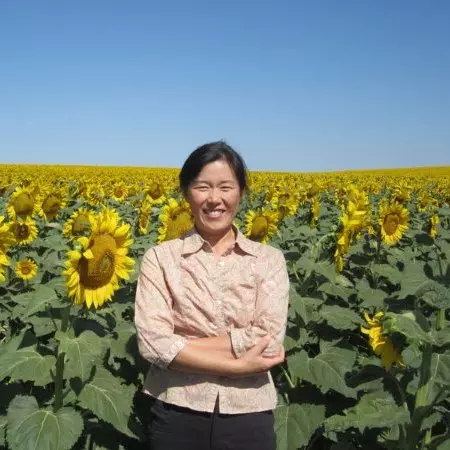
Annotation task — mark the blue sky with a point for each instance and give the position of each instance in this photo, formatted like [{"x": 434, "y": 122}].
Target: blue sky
[{"x": 292, "y": 84}]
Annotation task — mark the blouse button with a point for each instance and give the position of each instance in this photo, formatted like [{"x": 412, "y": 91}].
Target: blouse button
[{"x": 221, "y": 263}]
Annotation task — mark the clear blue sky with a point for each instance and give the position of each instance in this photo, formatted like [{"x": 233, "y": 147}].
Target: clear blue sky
[{"x": 292, "y": 84}]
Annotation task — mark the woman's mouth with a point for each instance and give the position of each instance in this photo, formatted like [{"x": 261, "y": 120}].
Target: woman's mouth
[{"x": 213, "y": 212}]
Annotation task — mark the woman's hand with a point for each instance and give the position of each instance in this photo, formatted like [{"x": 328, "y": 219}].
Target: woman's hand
[{"x": 253, "y": 361}]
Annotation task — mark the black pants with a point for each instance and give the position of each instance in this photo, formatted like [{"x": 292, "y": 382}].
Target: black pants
[{"x": 175, "y": 428}]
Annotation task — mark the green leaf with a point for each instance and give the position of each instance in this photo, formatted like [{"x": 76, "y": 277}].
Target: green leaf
[
  {"x": 434, "y": 294},
  {"x": 413, "y": 276},
  {"x": 305, "y": 307},
  {"x": 374, "y": 410},
  {"x": 41, "y": 429},
  {"x": 82, "y": 353},
  {"x": 296, "y": 423},
  {"x": 108, "y": 399},
  {"x": 407, "y": 325},
  {"x": 372, "y": 298},
  {"x": 27, "y": 365},
  {"x": 3, "y": 422},
  {"x": 326, "y": 371},
  {"x": 125, "y": 341},
  {"x": 340, "y": 318},
  {"x": 336, "y": 290}
]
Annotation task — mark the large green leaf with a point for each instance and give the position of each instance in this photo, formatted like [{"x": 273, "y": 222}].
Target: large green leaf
[
  {"x": 339, "y": 318},
  {"x": 3, "y": 422},
  {"x": 27, "y": 364},
  {"x": 407, "y": 325},
  {"x": 30, "y": 303},
  {"x": 413, "y": 276},
  {"x": 326, "y": 371},
  {"x": 305, "y": 307},
  {"x": 336, "y": 290},
  {"x": 31, "y": 428},
  {"x": 108, "y": 399},
  {"x": 82, "y": 353},
  {"x": 296, "y": 423},
  {"x": 374, "y": 410},
  {"x": 122, "y": 346},
  {"x": 372, "y": 297}
]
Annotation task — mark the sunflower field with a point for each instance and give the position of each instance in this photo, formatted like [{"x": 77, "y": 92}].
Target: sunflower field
[{"x": 368, "y": 338}]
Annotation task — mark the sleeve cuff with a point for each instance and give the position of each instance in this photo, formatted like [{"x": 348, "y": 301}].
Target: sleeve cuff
[
  {"x": 237, "y": 342},
  {"x": 173, "y": 351}
]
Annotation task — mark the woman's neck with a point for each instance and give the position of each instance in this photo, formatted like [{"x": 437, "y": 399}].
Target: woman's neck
[{"x": 219, "y": 242}]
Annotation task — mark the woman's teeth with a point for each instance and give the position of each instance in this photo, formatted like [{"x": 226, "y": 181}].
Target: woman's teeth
[{"x": 214, "y": 213}]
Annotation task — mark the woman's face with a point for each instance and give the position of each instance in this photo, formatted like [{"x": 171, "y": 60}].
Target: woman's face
[{"x": 214, "y": 197}]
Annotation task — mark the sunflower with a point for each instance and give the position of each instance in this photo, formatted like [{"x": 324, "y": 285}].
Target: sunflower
[
  {"x": 393, "y": 221},
  {"x": 314, "y": 211},
  {"x": 286, "y": 203},
  {"x": 176, "y": 220},
  {"x": 24, "y": 231},
  {"x": 22, "y": 204},
  {"x": 95, "y": 195},
  {"x": 52, "y": 204},
  {"x": 4, "y": 262},
  {"x": 119, "y": 192},
  {"x": 95, "y": 268},
  {"x": 78, "y": 224},
  {"x": 261, "y": 224},
  {"x": 6, "y": 236},
  {"x": 155, "y": 192},
  {"x": 380, "y": 343},
  {"x": 433, "y": 223},
  {"x": 144, "y": 216},
  {"x": 26, "y": 269}
]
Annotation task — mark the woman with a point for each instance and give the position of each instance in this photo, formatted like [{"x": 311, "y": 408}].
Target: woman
[{"x": 210, "y": 315}]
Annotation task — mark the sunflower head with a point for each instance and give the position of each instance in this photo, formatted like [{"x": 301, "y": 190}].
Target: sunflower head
[
  {"x": 100, "y": 260},
  {"x": 261, "y": 224},
  {"x": 380, "y": 343},
  {"x": 393, "y": 221},
  {"x": 78, "y": 224},
  {"x": 22, "y": 204},
  {"x": 4, "y": 262},
  {"x": 26, "y": 269},
  {"x": 24, "y": 231},
  {"x": 433, "y": 223},
  {"x": 52, "y": 204},
  {"x": 176, "y": 220},
  {"x": 7, "y": 238}
]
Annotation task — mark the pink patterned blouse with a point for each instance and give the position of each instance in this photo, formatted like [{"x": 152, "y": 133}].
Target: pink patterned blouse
[{"x": 185, "y": 292}]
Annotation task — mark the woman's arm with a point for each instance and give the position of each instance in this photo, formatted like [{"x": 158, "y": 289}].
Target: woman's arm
[{"x": 201, "y": 358}]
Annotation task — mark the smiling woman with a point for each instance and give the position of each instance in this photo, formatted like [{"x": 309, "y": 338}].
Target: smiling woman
[{"x": 210, "y": 313}]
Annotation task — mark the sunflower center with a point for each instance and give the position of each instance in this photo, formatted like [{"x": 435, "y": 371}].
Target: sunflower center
[
  {"x": 21, "y": 231},
  {"x": 23, "y": 204},
  {"x": 391, "y": 223},
  {"x": 155, "y": 191},
  {"x": 26, "y": 268},
  {"x": 98, "y": 271},
  {"x": 259, "y": 228},
  {"x": 119, "y": 192},
  {"x": 81, "y": 224},
  {"x": 179, "y": 225},
  {"x": 51, "y": 206}
]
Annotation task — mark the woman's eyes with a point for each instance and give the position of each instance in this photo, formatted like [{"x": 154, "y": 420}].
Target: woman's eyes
[{"x": 206, "y": 188}]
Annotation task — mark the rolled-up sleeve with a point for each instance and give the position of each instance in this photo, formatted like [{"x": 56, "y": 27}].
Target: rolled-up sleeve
[
  {"x": 270, "y": 310},
  {"x": 153, "y": 319}
]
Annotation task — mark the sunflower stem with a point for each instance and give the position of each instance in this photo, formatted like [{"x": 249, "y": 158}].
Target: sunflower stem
[
  {"x": 440, "y": 319},
  {"x": 59, "y": 374},
  {"x": 421, "y": 400},
  {"x": 288, "y": 378}
]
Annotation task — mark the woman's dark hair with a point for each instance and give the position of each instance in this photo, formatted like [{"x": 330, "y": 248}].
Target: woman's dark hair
[{"x": 209, "y": 153}]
